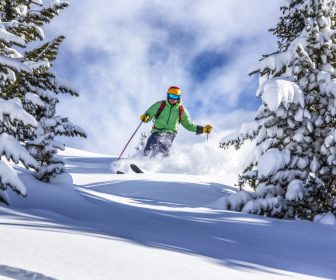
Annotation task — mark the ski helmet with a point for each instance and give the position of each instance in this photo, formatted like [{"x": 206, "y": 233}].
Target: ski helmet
[{"x": 174, "y": 90}]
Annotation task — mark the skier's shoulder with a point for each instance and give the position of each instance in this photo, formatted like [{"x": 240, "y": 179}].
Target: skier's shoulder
[
  {"x": 159, "y": 103},
  {"x": 155, "y": 105}
]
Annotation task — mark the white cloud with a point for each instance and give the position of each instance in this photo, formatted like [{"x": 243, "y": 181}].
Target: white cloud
[{"x": 123, "y": 55}]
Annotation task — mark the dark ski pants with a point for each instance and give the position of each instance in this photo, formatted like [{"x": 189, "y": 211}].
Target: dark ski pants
[{"x": 159, "y": 142}]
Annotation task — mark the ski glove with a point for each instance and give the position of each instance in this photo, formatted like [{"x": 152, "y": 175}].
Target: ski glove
[
  {"x": 144, "y": 117},
  {"x": 207, "y": 128}
]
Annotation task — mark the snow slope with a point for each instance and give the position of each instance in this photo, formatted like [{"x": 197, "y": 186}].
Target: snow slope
[{"x": 150, "y": 226}]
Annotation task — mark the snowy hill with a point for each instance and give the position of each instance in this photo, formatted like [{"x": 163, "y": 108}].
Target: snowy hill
[{"x": 150, "y": 226}]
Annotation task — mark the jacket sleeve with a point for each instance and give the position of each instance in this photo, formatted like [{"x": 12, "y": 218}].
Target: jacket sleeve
[
  {"x": 187, "y": 124},
  {"x": 152, "y": 110}
]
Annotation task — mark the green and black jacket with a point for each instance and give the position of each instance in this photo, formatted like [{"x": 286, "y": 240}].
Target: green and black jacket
[{"x": 169, "y": 119}]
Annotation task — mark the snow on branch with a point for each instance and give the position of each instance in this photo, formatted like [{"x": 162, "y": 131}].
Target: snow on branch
[
  {"x": 296, "y": 190},
  {"x": 13, "y": 109},
  {"x": 13, "y": 150},
  {"x": 10, "y": 38},
  {"x": 37, "y": 30},
  {"x": 66, "y": 128},
  {"x": 273, "y": 205},
  {"x": 34, "y": 99},
  {"x": 275, "y": 92},
  {"x": 33, "y": 65},
  {"x": 37, "y": 2},
  {"x": 272, "y": 161},
  {"x": 14, "y": 63},
  {"x": 236, "y": 201},
  {"x": 8, "y": 177},
  {"x": 246, "y": 131},
  {"x": 275, "y": 63}
]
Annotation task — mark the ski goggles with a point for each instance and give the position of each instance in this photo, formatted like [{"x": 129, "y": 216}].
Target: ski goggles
[{"x": 173, "y": 96}]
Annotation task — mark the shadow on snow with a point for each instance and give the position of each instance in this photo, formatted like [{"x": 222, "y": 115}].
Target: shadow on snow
[{"x": 233, "y": 239}]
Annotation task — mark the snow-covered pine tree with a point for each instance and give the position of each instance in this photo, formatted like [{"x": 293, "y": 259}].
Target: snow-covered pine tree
[
  {"x": 294, "y": 171},
  {"x": 15, "y": 123},
  {"x": 41, "y": 102},
  {"x": 39, "y": 91}
]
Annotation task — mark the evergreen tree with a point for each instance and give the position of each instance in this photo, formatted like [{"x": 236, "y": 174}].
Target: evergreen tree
[
  {"x": 39, "y": 89},
  {"x": 294, "y": 173},
  {"x": 15, "y": 123},
  {"x": 41, "y": 102}
]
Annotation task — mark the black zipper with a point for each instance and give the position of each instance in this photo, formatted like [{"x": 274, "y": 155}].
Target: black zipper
[{"x": 171, "y": 107}]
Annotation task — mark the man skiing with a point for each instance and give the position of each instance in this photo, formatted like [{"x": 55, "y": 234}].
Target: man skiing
[{"x": 167, "y": 115}]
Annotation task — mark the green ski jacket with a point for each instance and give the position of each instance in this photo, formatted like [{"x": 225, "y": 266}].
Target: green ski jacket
[{"x": 168, "y": 120}]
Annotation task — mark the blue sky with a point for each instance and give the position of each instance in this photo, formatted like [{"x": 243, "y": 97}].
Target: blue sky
[{"x": 123, "y": 55}]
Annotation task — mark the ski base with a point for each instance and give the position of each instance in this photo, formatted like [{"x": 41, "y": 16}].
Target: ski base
[{"x": 136, "y": 169}]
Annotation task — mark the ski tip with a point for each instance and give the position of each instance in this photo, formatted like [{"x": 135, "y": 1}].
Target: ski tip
[
  {"x": 120, "y": 172},
  {"x": 136, "y": 169}
]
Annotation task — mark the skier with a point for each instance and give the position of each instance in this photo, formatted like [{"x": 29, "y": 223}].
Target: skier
[{"x": 167, "y": 115}]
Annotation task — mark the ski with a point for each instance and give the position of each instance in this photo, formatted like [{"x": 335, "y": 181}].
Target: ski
[{"x": 136, "y": 169}]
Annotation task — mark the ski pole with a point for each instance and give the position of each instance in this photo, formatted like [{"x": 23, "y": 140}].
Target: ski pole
[{"x": 129, "y": 140}]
